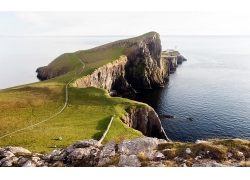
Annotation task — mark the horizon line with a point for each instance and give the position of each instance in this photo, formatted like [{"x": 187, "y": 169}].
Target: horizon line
[{"x": 119, "y": 35}]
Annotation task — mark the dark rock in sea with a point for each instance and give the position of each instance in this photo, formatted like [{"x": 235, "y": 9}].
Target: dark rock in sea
[
  {"x": 166, "y": 116},
  {"x": 190, "y": 118}
]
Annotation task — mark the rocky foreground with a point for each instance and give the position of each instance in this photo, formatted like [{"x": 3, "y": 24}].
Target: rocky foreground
[{"x": 141, "y": 152}]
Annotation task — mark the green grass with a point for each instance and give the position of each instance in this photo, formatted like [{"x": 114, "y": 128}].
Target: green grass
[
  {"x": 86, "y": 116},
  {"x": 95, "y": 59}
]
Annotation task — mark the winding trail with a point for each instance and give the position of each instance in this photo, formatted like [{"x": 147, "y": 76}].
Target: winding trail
[
  {"x": 65, "y": 104},
  {"x": 106, "y": 131}
]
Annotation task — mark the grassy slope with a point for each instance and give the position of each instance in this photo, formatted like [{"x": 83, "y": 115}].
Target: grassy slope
[{"x": 86, "y": 116}]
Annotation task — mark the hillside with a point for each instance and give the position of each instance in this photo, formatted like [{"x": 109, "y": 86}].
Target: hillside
[{"x": 88, "y": 110}]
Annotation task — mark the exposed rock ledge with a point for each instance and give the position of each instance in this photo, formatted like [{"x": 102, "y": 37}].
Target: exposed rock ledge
[
  {"x": 85, "y": 153},
  {"x": 150, "y": 152}
]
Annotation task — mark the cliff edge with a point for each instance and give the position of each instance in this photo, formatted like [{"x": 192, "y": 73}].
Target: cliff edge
[{"x": 140, "y": 67}]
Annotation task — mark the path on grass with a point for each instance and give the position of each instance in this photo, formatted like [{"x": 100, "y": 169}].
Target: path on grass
[
  {"x": 105, "y": 133},
  {"x": 65, "y": 104}
]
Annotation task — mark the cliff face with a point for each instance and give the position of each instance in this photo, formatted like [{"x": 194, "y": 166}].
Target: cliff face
[
  {"x": 146, "y": 120},
  {"x": 110, "y": 76},
  {"x": 171, "y": 63},
  {"x": 140, "y": 68},
  {"x": 144, "y": 69}
]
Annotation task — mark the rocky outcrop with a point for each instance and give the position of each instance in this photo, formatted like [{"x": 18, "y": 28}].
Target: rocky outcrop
[
  {"x": 180, "y": 59},
  {"x": 147, "y": 152},
  {"x": 84, "y": 153},
  {"x": 146, "y": 120},
  {"x": 43, "y": 73},
  {"x": 48, "y": 72},
  {"x": 172, "y": 58}
]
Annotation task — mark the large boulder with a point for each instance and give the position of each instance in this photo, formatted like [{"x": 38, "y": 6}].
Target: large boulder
[
  {"x": 129, "y": 147},
  {"x": 129, "y": 161},
  {"x": 107, "y": 153},
  {"x": 18, "y": 150}
]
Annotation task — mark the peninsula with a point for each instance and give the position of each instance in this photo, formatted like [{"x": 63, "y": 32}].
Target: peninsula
[{"x": 70, "y": 119}]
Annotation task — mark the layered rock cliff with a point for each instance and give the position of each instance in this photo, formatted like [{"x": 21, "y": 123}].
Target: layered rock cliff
[
  {"x": 110, "y": 76},
  {"x": 146, "y": 120},
  {"x": 140, "y": 67},
  {"x": 144, "y": 69}
]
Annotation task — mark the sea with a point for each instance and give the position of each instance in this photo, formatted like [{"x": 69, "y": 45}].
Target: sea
[{"x": 212, "y": 86}]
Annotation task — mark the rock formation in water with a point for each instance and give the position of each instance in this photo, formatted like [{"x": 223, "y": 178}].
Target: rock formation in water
[{"x": 172, "y": 58}]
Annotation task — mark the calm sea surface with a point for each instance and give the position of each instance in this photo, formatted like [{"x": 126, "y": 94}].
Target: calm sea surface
[{"x": 213, "y": 86}]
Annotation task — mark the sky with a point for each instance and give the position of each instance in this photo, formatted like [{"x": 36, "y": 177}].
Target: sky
[{"x": 206, "y": 19}]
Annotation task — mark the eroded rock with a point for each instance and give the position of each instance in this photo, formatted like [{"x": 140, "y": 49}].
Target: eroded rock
[
  {"x": 129, "y": 161},
  {"x": 19, "y": 150},
  {"x": 208, "y": 164},
  {"x": 29, "y": 163},
  {"x": 136, "y": 146}
]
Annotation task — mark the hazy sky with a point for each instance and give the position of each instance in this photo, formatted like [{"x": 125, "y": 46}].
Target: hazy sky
[{"x": 53, "y": 23}]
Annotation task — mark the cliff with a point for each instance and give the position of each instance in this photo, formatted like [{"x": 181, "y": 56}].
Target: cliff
[
  {"x": 146, "y": 120},
  {"x": 172, "y": 59},
  {"x": 140, "y": 67},
  {"x": 144, "y": 69},
  {"x": 110, "y": 76}
]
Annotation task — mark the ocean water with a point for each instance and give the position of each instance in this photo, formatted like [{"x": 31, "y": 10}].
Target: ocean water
[{"x": 213, "y": 86}]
